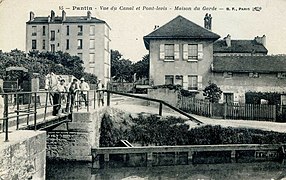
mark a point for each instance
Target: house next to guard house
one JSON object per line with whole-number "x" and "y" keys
{"x": 84, "y": 36}
{"x": 182, "y": 52}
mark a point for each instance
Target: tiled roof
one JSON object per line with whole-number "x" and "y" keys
{"x": 261, "y": 64}
{"x": 239, "y": 46}
{"x": 69, "y": 19}
{"x": 180, "y": 28}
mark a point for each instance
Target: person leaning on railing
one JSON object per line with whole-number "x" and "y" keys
{"x": 100, "y": 94}
{"x": 84, "y": 87}
{"x": 51, "y": 84}
{"x": 73, "y": 88}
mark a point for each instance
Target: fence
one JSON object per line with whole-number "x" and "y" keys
{"x": 229, "y": 111}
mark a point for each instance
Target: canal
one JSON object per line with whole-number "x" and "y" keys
{"x": 233, "y": 171}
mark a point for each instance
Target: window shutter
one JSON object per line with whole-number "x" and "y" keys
{"x": 185, "y": 52}
{"x": 200, "y": 82}
{"x": 200, "y": 51}
{"x": 176, "y": 51}
{"x": 185, "y": 82}
{"x": 162, "y": 51}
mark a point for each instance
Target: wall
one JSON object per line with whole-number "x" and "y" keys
{"x": 240, "y": 83}
{"x": 160, "y": 68}
{"x": 73, "y": 140}
{"x": 167, "y": 95}
{"x": 24, "y": 156}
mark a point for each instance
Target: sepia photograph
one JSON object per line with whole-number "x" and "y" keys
{"x": 155, "y": 90}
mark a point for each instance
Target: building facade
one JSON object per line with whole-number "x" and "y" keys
{"x": 83, "y": 36}
{"x": 180, "y": 53}
{"x": 184, "y": 53}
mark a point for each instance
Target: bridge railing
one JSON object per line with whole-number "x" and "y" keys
{"x": 17, "y": 105}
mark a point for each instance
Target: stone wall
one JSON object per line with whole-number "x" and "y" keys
{"x": 24, "y": 156}
{"x": 74, "y": 140}
{"x": 165, "y": 94}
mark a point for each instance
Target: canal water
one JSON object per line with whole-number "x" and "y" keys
{"x": 226, "y": 171}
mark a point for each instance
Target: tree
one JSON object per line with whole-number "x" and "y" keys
{"x": 141, "y": 68}
{"x": 212, "y": 92}
{"x": 121, "y": 69}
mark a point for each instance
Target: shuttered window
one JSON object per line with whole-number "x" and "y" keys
{"x": 192, "y": 51}
{"x": 169, "y": 79}
{"x": 169, "y": 51}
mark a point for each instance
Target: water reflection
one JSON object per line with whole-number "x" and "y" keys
{"x": 231, "y": 171}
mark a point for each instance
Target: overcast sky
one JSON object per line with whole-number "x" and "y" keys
{"x": 129, "y": 26}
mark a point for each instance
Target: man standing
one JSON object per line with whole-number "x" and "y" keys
{"x": 51, "y": 84}
{"x": 100, "y": 94}
{"x": 71, "y": 95}
{"x": 84, "y": 87}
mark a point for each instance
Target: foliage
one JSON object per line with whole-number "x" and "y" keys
{"x": 141, "y": 68}
{"x": 154, "y": 130}
{"x": 273, "y": 98}
{"x": 212, "y": 92}
{"x": 122, "y": 70}
{"x": 43, "y": 63}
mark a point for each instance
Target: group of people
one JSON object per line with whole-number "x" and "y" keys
{"x": 60, "y": 92}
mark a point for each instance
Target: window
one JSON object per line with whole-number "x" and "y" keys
{"x": 53, "y": 48}
{"x": 34, "y": 44}
{"x": 169, "y": 79}
{"x": 44, "y": 44}
{"x": 44, "y": 30}
{"x": 34, "y": 30}
{"x": 91, "y": 44}
{"x": 68, "y": 44}
{"x": 228, "y": 98}
{"x": 227, "y": 74}
{"x": 68, "y": 30}
{"x": 58, "y": 44}
{"x": 91, "y": 58}
{"x": 169, "y": 51}
{"x": 92, "y": 30}
{"x": 254, "y": 75}
{"x": 179, "y": 80}
{"x": 58, "y": 30}
{"x": 79, "y": 43}
{"x": 80, "y": 29}
{"x": 192, "y": 51}
{"x": 192, "y": 82}
{"x": 79, "y": 55}
{"x": 53, "y": 35}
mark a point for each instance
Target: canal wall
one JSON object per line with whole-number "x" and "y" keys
{"x": 24, "y": 156}
{"x": 74, "y": 140}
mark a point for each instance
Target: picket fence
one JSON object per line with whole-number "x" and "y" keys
{"x": 228, "y": 111}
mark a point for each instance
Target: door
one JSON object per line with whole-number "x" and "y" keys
{"x": 228, "y": 98}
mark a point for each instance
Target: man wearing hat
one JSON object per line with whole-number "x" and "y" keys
{"x": 100, "y": 94}
{"x": 84, "y": 87}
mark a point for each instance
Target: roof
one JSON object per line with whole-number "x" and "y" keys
{"x": 180, "y": 28}
{"x": 262, "y": 64}
{"x": 239, "y": 46}
{"x": 69, "y": 19}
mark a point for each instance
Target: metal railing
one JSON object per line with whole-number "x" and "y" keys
{"x": 16, "y": 105}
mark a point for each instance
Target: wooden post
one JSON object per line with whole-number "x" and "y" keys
{"x": 233, "y": 156}
{"x": 190, "y": 157}
{"x": 160, "y": 109}
{"x": 108, "y": 98}
{"x": 149, "y": 159}
{"x": 35, "y": 112}
{"x": 225, "y": 110}
{"x": 6, "y": 117}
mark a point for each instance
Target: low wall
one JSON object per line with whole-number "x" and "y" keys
{"x": 165, "y": 94}
{"x": 24, "y": 156}
{"x": 73, "y": 140}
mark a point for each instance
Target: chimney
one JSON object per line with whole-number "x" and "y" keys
{"x": 228, "y": 40}
{"x": 52, "y": 15}
{"x": 88, "y": 15}
{"x": 208, "y": 21}
{"x": 156, "y": 27}
{"x": 261, "y": 40}
{"x": 32, "y": 16}
{"x": 63, "y": 15}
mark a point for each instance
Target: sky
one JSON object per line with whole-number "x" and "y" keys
{"x": 129, "y": 26}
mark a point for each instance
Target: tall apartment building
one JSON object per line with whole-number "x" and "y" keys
{"x": 84, "y": 36}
